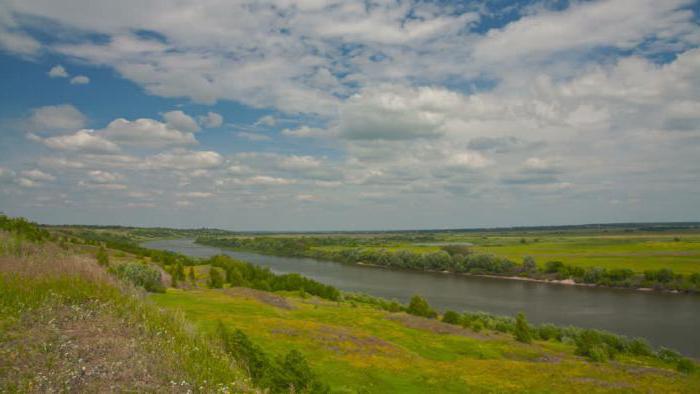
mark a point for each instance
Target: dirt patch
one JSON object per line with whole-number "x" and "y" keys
{"x": 433, "y": 325}
{"x": 602, "y": 383}
{"x": 262, "y": 296}
{"x": 79, "y": 349}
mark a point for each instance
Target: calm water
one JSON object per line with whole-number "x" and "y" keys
{"x": 671, "y": 320}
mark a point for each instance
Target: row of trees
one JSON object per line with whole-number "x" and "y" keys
{"x": 457, "y": 259}
{"x": 244, "y": 274}
{"x": 596, "y": 345}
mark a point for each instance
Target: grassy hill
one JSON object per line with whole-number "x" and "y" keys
{"x": 76, "y": 317}
{"x": 360, "y": 348}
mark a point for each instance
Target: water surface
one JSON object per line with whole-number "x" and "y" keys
{"x": 671, "y": 320}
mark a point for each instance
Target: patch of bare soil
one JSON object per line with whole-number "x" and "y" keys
{"x": 603, "y": 383}
{"x": 262, "y": 296}
{"x": 77, "y": 349}
{"x": 433, "y": 325}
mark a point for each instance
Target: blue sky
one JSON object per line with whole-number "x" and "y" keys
{"x": 321, "y": 115}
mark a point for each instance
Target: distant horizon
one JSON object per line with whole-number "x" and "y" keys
{"x": 457, "y": 229}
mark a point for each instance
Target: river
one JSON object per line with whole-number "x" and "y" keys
{"x": 671, "y": 320}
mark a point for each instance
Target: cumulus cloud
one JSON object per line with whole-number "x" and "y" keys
{"x": 179, "y": 120}
{"x": 55, "y": 118}
{"x": 80, "y": 80}
{"x": 397, "y": 113}
{"x": 82, "y": 141}
{"x": 211, "y": 120}
{"x": 148, "y": 133}
{"x": 58, "y": 71}
{"x": 184, "y": 160}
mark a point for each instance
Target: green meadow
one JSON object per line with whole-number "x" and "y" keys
{"x": 356, "y": 348}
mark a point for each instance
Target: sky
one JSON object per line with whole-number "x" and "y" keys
{"x": 349, "y": 115}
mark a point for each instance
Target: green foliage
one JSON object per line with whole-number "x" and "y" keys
{"x": 23, "y": 228}
{"x": 451, "y": 317}
{"x": 140, "y": 275}
{"x": 685, "y": 365}
{"x": 529, "y": 264}
{"x": 420, "y": 307}
{"x": 522, "y": 329}
{"x": 216, "y": 279}
{"x": 240, "y": 273}
{"x": 290, "y": 373}
{"x": 191, "y": 275}
{"x": 102, "y": 257}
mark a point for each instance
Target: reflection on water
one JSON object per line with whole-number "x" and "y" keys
{"x": 671, "y": 320}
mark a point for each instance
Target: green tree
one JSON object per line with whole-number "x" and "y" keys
{"x": 522, "y": 329}
{"x": 420, "y": 307}
{"x": 529, "y": 264}
{"x": 216, "y": 280}
{"x": 191, "y": 275}
{"x": 451, "y": 317}
{"x": 180, "y": 271}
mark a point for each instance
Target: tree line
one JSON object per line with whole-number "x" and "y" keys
{"x": 456, "y": 259}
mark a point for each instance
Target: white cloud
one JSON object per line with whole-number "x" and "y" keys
{"x": 102, "y": 186}
{"x": 267, "y": 120}
{"x": 253, "y": 136}
{"x": 196, "y": 194}
{"x": 59, "y": 162}
{"x": 82, "y": 141}
{"x": 179, "y": 120}
{"x": 264, "y": 180}
{"x": 184, "y": 160}
{"x": 79, "y": 80}
{"x": 397, "y": 113}
{"x": 146, "y": 133}
{"x": 55, "y": 118}
{"x": 294, "y": 162}
{"x": 306, "y": 132}
{"x": 38, "y": 175}
{"x": 211, "y": 120}
{"x": 58, "y": 71}
{"x": 99, "y": 176}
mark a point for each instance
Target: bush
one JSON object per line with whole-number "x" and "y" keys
{"x": 102, "y": 257}
{"x": 552, "y": 267}
{"x": 639, "y": 347}
{"x": 451, "y": 317}
{"x": 522, "y": 330}
{"x": 216, "y": 279}
{"x": 685, "y": 365}
{"x": 140, "y": 275}
{"x": 420, "y": 307}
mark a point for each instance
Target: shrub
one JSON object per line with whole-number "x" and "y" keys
{"x": 522, "y": 330}
{"x": 102, "y": 257}
{"x": 668, "y": 355}
{"x": 216, "y": 280}
{"x": 420, "y": 307}
{"x": 639, "y": 347}
{"x": 140, "y": 275}
{"x": 552, "y": 267}
{"x": 451, "y": 317}
{"x": 685, "y": 365}
{"x": 529, "y": 264}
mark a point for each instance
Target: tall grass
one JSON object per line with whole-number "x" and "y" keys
{"x": 42, "y": 278}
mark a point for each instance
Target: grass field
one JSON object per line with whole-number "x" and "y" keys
{"x": 356, "y": 348}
